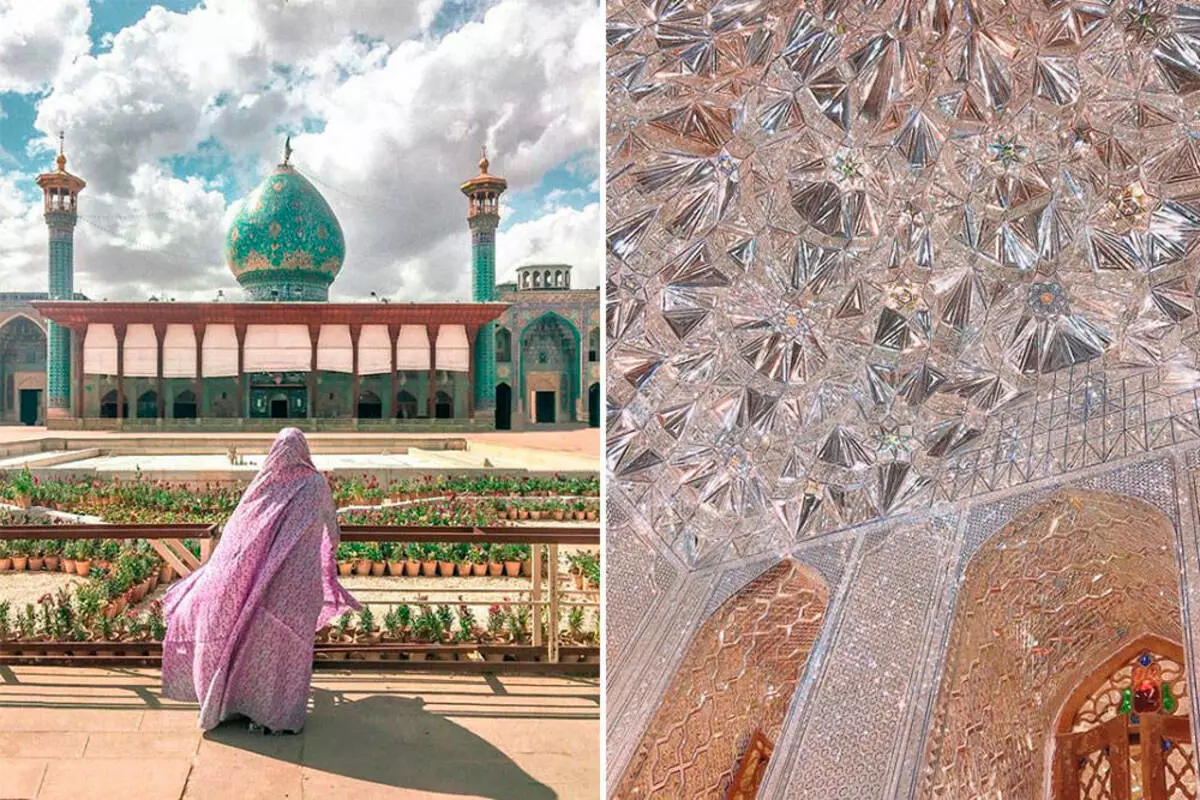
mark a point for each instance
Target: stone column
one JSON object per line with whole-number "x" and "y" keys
{"x": 120, "y": 331}
{"x": 198, "y": 329}
{"x": 314, "y": 336}
{"x": 160, "y": 334}
{"x": 78, "y": 336}
{"x": 240, "y": 332}
{"x": 355, "y": 382}
{"x": 431, "y": 401}
{"x": 472, "y": 367}
{"x": 518, "y": 380}
{"x": 390, "y": 407}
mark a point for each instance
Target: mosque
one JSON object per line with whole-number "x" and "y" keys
{"x": 519, "y": 354}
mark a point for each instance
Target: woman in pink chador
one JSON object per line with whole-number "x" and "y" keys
{"x": 240, "y": 629}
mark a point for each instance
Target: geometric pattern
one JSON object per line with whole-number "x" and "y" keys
{"x": 853, "y": 248}
{"x": 1056, "y": 592}
{"x": 738, "y": 676}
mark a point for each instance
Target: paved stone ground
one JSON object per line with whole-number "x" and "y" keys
{"x": 107, "y": 733}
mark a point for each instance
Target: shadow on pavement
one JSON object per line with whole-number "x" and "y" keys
{"x": 392, "y": 741}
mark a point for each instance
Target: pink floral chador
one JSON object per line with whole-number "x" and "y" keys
{"x": 240, "y": 629}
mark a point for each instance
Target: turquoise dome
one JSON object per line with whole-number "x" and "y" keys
{"x": 285, "y": 242}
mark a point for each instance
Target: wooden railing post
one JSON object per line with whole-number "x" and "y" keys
{"x": 535, "y": 562}
{"x": 552, "y": 628}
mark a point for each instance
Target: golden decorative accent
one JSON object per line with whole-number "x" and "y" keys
{"x": 275, "y": 228}
{"x": 297, "y": 259}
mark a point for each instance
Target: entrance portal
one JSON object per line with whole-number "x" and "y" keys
{"x": 544, "y": 406}
{"x": 1125, "y": 732}
{"x": 503, "y": 407}
{"x": 594, "y": 405}
{"x": 279, "y": 408}
{"x": 30, "y": 400}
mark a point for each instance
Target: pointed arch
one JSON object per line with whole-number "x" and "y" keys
{"x": 741, "y": 669}
{"x": 40, "y": 323}
{"x": 1055, "y": 592}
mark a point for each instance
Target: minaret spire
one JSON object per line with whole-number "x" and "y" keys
{"x": 287, "y": 150}
{"x": 483, "y": 216}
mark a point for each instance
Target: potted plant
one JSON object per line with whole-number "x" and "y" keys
{"x": 478, "y": 558}
{"x": 511, "y": 555}
{"x": 461, "y": 554}
{"x": 445, "y": 560}
{"x": 391, "y": 625}
{"x": 412, "y": 560}
{"x": 592, "y": 513}
{"x": 20, "y": 554}
{"x": 366, "y": 626}
{"x": 373, "y": 551}
{"x": 395, "y": 558}
{"x": 362, "y": 563}
{"x": 428, "y": 560}
{"x": 83, "y": 558}
{"x": 559, "y": 512}
{"x": 495, "y": 566}
{"x": 68, "y": 559}
{"x": 345, "y": 559}
{"x": 21, "y": 486}
{"x": 50, "y": 549}
{"x": 36, "y": 562}
{"x": 5, "y": 556}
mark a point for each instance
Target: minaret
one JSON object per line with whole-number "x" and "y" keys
{"x": 60, "y": 191}
{"x": 483, "y": 216}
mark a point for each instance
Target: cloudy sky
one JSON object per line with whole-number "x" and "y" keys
{"x": 174, "y": 111}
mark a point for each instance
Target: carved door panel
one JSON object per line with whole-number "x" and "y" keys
{"x": 1168, "y": 758}
{"x": 1094, "y": 764}
{"x": 751, "y": 768}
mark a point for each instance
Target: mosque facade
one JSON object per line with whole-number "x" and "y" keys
{"x": 516, "y": 355}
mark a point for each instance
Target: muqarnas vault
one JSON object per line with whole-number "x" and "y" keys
{"x": 903, "y": 429}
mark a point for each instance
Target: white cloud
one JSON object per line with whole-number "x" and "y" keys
{"x": 404, "y": 114}
{"x": 38, "y": 38}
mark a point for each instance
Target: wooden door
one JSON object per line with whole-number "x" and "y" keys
{"x": 1168, "y": 759}
{"x": 1094, "y": 764}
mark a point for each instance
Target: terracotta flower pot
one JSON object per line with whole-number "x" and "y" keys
{"x": 463, "y": 569}
{"x": 479, "y": 570}
{"x": 412, "y": 569}
{"x": 495, "y": 569}
{"x": 535, "y": 514}
{"x": 166, "y": 573}
{"x": 362, "y": 566}
{"x": 82, "y": 567}
{"x": 526, "y": 568}
{"x": 345, "y": 568}
{"x": 377, "y": 568}
{"x": 52, "y": 563}
{"x": 20, "y": 563}
{"x": 578, "y": 581}
{"x": 446, "y": 569}
{"x": 513, "y": 513}
{"x": 395, "y": 568}
{"x": 558, "y": 514}
{"x": 512, "y": 569}
{"x": 36, "y": 563}
{"x": 522, "y": 514}
{"x": 429, "y": 569}
{"x": 591, "y": 515}
{"x": 68, "y": 565}
{"x": 5, "y": 564}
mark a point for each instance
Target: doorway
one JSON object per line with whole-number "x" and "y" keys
{"x": 545, "y": 406}
{"x": 594, "y": 405}
{"x": 30, "y": 402}
{"x": 279, "y": 408}
{"x": 369, "y": 406}
{"x": 503, "y": 407}
{"x": 1125, "y": 732}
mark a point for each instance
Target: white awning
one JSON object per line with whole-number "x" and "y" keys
{"x": 179, "y": 351}
{"x": 335, "y": 351}
{"x": 141, "y": 351}
{"x": 220, "y": 352}
{"x": 100, "y": 350}
{"x": 374, "y": 350}
{"x": 453, "y": 349}
{"x": 412, "y": 348}
{"x": 277, "y": 348}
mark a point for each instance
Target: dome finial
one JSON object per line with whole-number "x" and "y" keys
{"x": 287, "y": 150}
{"x": 483, "y": 159}
{"x": 61, "y": 161}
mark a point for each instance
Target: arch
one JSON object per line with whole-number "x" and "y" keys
{"x": 594, "y": 405}
{"x": 594, "y": 346}
{"x": 503, "y": 407}
{"x": 551, "y": 323}
{"x": 503, "y": 345}
{"x": 108, "y": 406}
{"x": 406, "y": 405}
{"x": 39, "y": 323}
{"x": 761, "y": 637}
{"x": 1056, "y": 591}
{"x": 184, "y": 405}
{"x": 370, "y": 406}
{"x": 147, "y": 404}
{"x": 443, "y": 406}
